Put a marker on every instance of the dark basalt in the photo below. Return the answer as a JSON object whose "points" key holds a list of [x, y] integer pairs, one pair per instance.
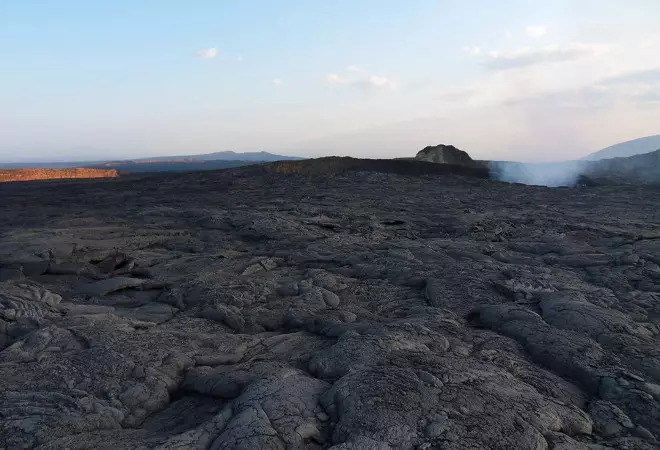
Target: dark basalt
{"points": [[331, 303]]}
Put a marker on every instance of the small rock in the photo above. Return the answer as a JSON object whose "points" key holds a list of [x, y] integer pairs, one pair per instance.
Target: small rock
{"points": [[630, 259], [288, 289], [268, 263], [228, 254], [348, 317], [34, 268], [651, 388], [402, 253], [104, 287], [608, 419], [643, 433], [252, 269], [461, 350], [437, 427], [73, 269], [73, 309], [430, 379], [330, 298], [111, 262], [308, 430]]}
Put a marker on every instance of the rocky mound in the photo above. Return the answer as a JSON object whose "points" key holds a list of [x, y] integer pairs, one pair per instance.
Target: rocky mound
{"points": [[338, 165], [50, 174], [445, 154], [249, 309]]}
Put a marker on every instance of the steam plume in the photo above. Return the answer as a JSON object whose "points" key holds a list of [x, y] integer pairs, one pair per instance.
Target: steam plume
{"points": [[541, 174]]}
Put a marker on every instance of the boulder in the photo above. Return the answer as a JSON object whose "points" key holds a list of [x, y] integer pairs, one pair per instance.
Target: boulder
{"points": [[444, 154]]}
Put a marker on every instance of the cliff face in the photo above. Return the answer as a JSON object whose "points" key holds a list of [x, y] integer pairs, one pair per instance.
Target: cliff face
{"points": [[50, 174]]}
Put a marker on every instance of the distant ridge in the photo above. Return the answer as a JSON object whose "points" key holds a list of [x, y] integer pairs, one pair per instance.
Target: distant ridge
{"points": [[342, 164], [629, 148], [224, 156], [164, 163], [637, 169]]}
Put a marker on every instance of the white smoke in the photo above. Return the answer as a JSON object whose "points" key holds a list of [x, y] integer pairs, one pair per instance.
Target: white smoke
{"points": [[540, 174]]}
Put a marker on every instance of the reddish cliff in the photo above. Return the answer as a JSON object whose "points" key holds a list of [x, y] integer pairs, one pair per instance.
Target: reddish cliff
{"points": [[49, 174]]}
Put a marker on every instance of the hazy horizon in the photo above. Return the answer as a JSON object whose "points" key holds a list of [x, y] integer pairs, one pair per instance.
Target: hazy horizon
{"points": [[512, 80]]}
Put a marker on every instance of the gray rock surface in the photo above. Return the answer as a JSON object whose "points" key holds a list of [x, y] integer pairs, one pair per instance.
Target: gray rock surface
{"points": [[444, 154], [246, 309]]}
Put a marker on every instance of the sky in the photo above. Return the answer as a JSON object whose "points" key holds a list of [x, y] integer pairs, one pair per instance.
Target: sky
{"points": [[528, 80]]}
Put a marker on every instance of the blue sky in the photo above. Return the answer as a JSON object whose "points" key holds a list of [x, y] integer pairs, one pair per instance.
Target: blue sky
{"points": [[531, 80]]}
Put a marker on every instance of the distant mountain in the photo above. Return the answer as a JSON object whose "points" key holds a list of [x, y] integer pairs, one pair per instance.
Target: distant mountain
{"points": [[625, 149], [164, 163], [124, 167], [224, 156], [637, 169]]}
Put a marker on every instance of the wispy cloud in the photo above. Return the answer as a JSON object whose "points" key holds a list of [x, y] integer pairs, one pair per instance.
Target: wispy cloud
{"points": [[550, 54], [355, 69], [378, 82], [472, 49], [586, 97], [648, 76], [333, 78], [276, 82], [651, 41], [370, 81], [207, 53], [536, 31]]}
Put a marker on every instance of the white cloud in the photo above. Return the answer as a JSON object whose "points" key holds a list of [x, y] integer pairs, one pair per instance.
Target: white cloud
{"points": [[370, 81], [208, 53], [276, 82], [650, 42], [333, 78], [646, 76], [549, 54], [381, 82], [473, 50], [355, 69], [536, 31]]}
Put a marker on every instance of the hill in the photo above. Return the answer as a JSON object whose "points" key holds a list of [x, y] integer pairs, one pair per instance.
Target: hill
{"points": [[628, 148], [224, 156], [445, 154], [638, 169], [336, 164], [173, 166]]}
